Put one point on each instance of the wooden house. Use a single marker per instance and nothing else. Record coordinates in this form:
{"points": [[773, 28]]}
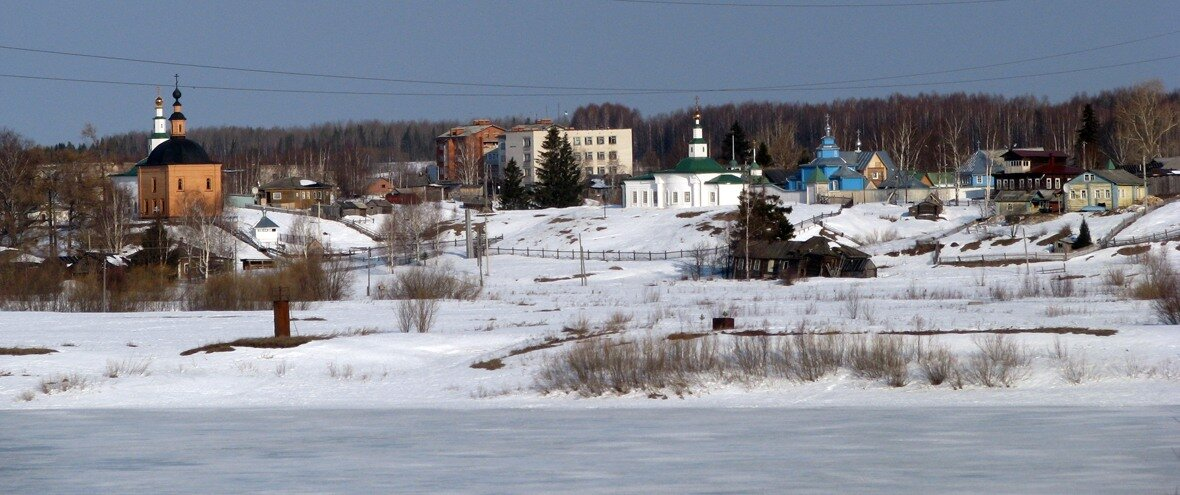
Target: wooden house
{"points": [[814, 257]]}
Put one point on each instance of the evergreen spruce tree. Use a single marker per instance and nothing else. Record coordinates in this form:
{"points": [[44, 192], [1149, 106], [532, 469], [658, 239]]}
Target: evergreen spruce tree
{"points": [[763, 216], [1083, 239], [1086, 145], [155, 243], [513, 195], [763, 157], [559, 180], [736, 141]]}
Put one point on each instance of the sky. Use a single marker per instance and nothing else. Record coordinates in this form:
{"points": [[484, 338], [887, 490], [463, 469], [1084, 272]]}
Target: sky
{"points": [[654, 55]]}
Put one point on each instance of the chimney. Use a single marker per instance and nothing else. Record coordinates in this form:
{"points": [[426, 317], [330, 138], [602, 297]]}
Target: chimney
{"points": [[545, 121], [481, 122]]}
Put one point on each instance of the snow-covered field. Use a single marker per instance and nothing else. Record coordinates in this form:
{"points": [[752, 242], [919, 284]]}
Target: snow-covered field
{"points": [[527, 300]]}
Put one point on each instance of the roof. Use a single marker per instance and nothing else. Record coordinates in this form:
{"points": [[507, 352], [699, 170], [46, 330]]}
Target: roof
{"points": [[294, 183], [697, 166], [815, 245], [467, 130], [266, 223], [902, 181], [131, 172], [1168, 162], [1119, 176], [1030, 153], [776, 175], [846, 173], [725, 179], [178, 151], [1013, 196], [977, 163], [641, 177]]}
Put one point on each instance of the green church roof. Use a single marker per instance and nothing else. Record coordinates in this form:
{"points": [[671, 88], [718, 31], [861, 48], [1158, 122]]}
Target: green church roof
{"points": [[698, 166], [725, 179]]}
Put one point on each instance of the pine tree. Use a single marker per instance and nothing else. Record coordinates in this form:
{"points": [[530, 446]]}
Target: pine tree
{"points": [[763, 216], [1083, 239], [559, 180], [736, 140], [155, 243], [764, 158], [1087, 141], [513, 195]]}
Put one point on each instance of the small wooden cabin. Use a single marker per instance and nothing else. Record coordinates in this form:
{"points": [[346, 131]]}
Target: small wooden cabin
{"points": [[814, 257]]}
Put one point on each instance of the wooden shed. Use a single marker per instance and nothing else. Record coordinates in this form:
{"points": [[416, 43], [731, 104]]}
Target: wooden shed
{"points": [[928, 209]]}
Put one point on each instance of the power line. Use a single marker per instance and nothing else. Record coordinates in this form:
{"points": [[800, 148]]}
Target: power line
{"points": [[610, 90], [805, 5], [616, 93]]}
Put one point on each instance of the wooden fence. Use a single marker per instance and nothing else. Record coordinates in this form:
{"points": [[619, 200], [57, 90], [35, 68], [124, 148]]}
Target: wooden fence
{"points": [[606, 255], [1166, 235], [1001, 258]]}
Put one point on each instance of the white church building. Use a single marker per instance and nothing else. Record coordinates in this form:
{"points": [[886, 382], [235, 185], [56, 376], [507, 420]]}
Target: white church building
{"points": [[697, 180]]}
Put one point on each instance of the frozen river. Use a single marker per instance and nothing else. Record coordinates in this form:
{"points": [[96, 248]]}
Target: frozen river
{"points": [[837, 450]]}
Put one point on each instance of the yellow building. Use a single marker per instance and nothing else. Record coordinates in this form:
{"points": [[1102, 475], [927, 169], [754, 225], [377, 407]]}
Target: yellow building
{"points": [[178, 178], [1103, 190]]}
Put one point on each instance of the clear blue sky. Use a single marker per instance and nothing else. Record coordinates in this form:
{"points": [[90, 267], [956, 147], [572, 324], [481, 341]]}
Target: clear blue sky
{"points": [[585, 43]]}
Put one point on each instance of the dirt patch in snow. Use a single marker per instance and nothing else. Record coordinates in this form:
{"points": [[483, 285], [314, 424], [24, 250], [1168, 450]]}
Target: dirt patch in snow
{"points": [[1098, 332], [728, 216], [25, 351], [551, 279], [971, 246], [689, 214], [1006, 242], [257, 342], [561, 220], [1133, 250]]}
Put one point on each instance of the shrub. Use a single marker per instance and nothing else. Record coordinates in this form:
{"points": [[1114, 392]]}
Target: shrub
{"points": [[998, 362], [1115, 277], [1083, 239], [1160, 284], [416, 315], [1075, 369], [937, 364], [882, 356], [443, 282], [127, 367], [63, 383]]}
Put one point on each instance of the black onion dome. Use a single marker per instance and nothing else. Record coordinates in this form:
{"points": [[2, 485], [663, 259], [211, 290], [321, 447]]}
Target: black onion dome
{"points": [[176, 94], [178, 151]]}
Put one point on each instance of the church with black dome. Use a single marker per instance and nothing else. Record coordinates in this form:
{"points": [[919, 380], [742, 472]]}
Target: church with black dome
{"points": [[178, 178]]}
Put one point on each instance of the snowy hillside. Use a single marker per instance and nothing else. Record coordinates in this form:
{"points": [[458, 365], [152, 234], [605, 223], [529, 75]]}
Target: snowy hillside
{"points": [[523, 317]]}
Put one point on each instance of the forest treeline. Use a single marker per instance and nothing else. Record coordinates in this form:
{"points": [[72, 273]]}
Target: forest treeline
{"points": [[923, 132]]}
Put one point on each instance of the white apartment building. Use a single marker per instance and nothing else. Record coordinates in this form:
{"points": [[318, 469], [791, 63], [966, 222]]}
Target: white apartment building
{"points": [[599, 152]]}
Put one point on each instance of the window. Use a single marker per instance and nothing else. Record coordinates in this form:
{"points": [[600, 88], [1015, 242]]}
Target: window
{"points": [[180, 184], [589, 170], [1087, 177], [601, 140], [675, 197], [712, 198], [276, 195], [208, 184], [614, 155], [875, 174], [644, 197], [577, 141], [688, 197], [614, 170], [589, 155], [1022, 183], [634, 196], [614, 140], [1057, 183], [601, 170], [527, 143], [153, 184], [602, 155]]}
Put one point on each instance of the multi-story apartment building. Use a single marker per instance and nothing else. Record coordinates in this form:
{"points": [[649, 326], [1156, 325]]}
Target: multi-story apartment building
{"points": [[462, 154], [600, 152]]}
